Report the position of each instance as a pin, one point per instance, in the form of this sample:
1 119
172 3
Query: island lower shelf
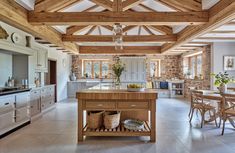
133 105
119 131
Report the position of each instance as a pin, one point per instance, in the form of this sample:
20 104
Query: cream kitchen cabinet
14 111
41 59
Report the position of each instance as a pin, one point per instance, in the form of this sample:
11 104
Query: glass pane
193 63
186 67
97 69
88 71
105 69
154 69
199 65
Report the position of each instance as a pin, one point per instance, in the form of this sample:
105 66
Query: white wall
5 68
63 71
219 50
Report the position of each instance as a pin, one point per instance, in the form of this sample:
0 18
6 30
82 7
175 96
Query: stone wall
171 67
169 64
206 73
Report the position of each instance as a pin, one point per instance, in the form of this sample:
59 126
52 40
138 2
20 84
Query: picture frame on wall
229 63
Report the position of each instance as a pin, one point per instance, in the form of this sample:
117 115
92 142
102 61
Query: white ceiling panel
79 7
158 6
206 4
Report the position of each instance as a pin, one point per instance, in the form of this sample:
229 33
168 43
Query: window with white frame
155 68
192 66
95 69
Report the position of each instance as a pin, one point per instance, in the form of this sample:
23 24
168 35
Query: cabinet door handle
100 105
133 105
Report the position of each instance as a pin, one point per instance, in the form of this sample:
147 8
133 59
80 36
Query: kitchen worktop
14 91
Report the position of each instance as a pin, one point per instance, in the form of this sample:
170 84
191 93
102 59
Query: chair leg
191 117
214 112
190 111
203 118
224 120
220 120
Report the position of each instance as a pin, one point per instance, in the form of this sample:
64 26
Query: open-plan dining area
96 76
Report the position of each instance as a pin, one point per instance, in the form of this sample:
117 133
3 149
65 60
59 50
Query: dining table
215 95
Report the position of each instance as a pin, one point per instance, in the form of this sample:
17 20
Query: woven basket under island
131 105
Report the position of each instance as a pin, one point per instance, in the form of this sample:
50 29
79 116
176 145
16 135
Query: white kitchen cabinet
14 111
41 59
134 69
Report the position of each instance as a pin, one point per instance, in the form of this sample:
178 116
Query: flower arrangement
118 68
221 80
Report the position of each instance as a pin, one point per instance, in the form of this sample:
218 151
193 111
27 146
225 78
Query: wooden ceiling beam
109 38
110 28
183 5
14 15
147 29
130 3
222 32
104 3
127 18
73 29
127 28
126 50
217 19
165 30
91 30
53 5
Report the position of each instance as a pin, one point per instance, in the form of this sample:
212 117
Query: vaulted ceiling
152 26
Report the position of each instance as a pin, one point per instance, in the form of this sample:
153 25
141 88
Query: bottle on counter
9 83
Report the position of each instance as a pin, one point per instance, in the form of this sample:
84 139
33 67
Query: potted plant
118 68
221 81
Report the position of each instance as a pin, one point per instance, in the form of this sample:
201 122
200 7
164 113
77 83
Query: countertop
14 91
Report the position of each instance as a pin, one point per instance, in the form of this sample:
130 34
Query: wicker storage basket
111 119
95 119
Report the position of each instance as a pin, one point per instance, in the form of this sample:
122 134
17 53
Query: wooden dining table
216 96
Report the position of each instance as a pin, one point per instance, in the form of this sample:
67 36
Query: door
135 69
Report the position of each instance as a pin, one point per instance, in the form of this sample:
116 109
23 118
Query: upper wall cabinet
41 59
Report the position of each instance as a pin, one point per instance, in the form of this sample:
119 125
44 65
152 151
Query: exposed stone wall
206 71
171 67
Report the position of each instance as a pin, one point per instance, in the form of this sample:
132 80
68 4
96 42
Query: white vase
73 77
222 88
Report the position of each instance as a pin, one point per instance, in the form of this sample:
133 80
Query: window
155 68
96 68
192 66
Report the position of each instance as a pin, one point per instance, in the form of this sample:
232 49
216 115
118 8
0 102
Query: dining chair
202 105
228 108
190 90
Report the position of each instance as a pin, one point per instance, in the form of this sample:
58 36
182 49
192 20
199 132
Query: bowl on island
135 87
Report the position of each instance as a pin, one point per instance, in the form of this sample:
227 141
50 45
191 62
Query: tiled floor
55 132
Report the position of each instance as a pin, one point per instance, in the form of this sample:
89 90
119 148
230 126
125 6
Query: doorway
51 75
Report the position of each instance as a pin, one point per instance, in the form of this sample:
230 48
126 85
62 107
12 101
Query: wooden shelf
119 131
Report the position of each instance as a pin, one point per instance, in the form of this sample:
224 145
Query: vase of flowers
221 81
118 67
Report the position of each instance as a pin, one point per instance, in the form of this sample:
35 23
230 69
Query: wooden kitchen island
137 105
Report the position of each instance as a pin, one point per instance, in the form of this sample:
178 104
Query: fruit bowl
134 88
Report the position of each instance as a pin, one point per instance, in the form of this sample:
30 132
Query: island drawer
133 105
100 105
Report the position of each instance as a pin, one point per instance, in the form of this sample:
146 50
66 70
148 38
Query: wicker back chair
228 109
200 104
